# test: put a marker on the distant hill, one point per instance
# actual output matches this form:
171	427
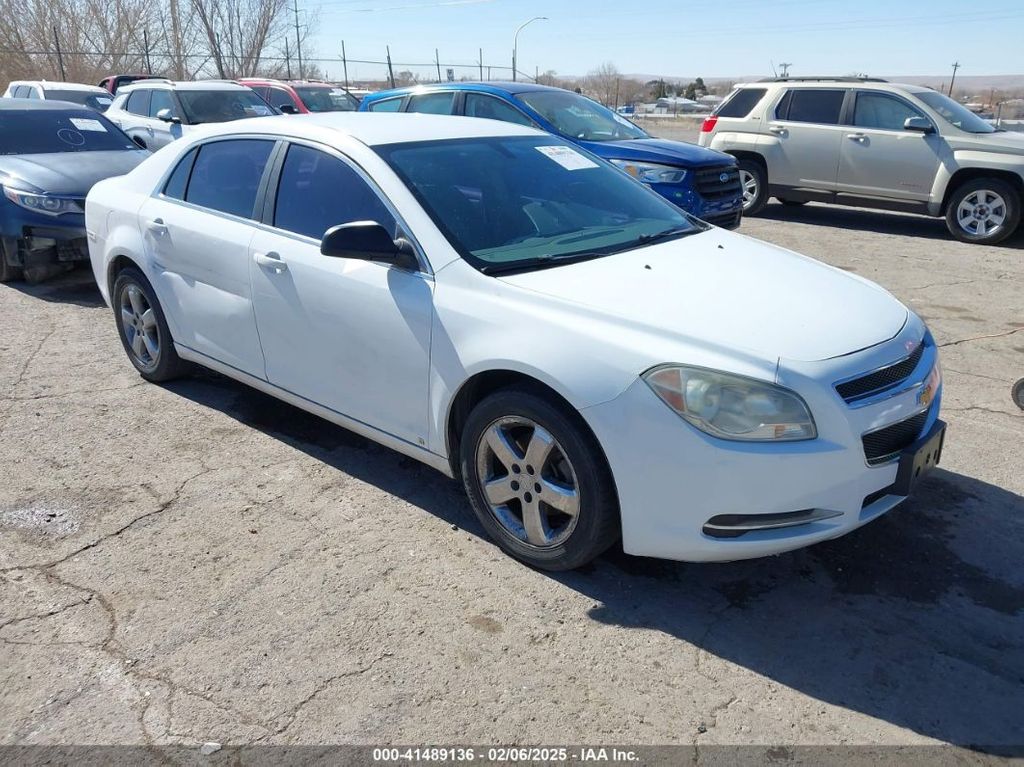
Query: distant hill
971	83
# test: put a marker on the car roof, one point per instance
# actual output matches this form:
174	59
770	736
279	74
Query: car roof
10	104
57	85
836	82
494	88
288	83
372	128
184	85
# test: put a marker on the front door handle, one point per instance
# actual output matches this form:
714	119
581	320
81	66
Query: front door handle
777	129
856	136
270	261
157	226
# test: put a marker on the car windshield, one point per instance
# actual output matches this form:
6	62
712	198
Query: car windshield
45	131
955	114
327	99
219	106
526	202
577	117
91	99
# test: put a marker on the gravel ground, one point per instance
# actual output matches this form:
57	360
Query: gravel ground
197	562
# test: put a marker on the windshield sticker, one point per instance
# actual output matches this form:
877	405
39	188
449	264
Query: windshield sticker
568	158
86	124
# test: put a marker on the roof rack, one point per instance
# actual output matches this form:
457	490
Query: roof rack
826	79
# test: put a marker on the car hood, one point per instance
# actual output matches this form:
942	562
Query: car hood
732	291
1008	142
658	150
66	172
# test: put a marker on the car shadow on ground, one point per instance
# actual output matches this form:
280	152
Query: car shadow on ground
915	619
77	287
880	222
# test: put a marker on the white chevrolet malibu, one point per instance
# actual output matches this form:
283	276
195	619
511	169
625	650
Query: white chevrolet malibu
500	305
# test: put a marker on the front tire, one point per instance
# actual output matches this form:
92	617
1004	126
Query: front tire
983	211
537	480
143	328
754	185
9	272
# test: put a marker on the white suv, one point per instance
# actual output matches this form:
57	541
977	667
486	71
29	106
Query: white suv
91	96
156	112
874	144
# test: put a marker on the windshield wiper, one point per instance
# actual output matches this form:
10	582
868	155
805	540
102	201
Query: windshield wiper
668	234
540	262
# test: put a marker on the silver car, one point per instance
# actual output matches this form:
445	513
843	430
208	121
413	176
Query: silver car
874	144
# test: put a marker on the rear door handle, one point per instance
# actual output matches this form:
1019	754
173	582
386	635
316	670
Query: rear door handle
270	261
856	136
777	129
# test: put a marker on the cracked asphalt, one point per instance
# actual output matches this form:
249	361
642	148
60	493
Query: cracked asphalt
197	562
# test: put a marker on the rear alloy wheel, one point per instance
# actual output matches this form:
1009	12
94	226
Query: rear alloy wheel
754	186
537	481
143	328
983	211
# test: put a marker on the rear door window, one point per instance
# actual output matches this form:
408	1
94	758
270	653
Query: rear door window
226	175
386	105
432	103
741	102
138	102
811	105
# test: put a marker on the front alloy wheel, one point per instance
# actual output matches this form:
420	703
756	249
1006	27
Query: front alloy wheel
983	211
528	481
537	479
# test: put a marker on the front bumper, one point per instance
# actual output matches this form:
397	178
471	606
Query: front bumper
704	196
673	479
33	239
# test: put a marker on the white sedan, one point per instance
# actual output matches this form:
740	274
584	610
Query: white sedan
512	311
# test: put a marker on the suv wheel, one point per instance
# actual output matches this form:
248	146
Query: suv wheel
983	211
537	480
754	183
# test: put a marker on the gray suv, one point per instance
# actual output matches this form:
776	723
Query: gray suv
873	144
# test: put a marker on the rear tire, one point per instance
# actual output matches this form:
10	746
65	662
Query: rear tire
143	328
754	186
983	211
537	480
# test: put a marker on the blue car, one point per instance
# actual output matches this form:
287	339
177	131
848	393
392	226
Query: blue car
51	153
702	182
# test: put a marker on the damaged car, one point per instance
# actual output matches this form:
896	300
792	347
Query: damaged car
51	153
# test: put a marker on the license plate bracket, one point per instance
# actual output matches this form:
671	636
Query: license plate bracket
918	459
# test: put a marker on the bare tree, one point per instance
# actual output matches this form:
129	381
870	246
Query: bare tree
603	83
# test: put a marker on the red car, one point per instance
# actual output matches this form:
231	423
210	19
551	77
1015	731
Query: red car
113	82
301	96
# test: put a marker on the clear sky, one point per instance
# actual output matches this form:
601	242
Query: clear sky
680	37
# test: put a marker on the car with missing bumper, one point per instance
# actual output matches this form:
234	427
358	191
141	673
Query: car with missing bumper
700	181
51	153
511	310
874	144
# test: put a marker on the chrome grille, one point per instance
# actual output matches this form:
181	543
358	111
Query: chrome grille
880	380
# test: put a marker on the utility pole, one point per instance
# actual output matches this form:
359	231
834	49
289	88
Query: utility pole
515	41
344	63
784	66
145	46
60	56
298	40
178	62
287	59
437	60
480	61
956	66
391	73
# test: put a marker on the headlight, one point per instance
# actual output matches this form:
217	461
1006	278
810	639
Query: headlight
732	407
651	173
42	203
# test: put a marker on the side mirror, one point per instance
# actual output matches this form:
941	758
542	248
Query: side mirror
919	124
367	241
167	116
288	109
